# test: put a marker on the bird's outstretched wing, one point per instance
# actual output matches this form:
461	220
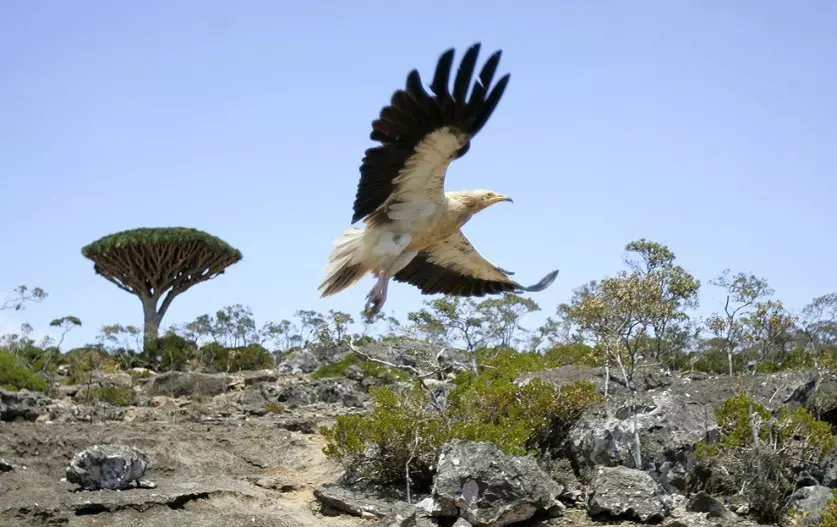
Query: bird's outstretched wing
453	267
420	133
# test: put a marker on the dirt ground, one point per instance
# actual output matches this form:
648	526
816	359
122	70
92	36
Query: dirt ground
221	473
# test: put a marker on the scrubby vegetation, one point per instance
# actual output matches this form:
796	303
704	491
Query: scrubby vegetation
366	368
760	455
408	425
14	376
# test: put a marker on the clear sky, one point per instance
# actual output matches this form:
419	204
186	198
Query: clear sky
707	125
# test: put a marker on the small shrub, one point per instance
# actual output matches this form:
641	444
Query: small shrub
397	432
274	408
575	354
222	359
170	352
763	473
115	395
15	376
342	368
139	375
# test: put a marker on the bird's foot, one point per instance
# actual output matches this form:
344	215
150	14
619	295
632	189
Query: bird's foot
375	301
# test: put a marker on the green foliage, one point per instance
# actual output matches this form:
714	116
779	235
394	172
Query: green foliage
170	352
454	321
829	517
115	395
157	236
640	311
399	430
223	359
734	417
573	354
406	426
368	368
763	472
14	376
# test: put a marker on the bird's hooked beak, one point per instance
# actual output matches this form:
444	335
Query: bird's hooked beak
505	198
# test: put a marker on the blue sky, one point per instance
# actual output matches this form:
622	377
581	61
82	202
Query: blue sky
705	125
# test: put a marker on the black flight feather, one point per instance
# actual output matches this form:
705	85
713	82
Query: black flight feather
413	114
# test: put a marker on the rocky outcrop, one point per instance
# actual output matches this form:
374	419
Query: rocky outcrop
812	502
673	412
107	467
626	493
185	384
296	362
22	405
479	483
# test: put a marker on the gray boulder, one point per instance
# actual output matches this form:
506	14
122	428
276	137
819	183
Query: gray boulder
107	467
349	393
627	493
673	412
22	405
708	505
302	361
185	384
811	502
478	482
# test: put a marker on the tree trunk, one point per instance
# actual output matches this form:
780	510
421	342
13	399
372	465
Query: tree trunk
729	361
152	322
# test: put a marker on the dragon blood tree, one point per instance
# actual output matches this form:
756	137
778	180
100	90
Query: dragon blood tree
153	262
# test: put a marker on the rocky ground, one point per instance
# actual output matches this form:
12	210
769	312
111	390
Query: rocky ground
244	450
224	471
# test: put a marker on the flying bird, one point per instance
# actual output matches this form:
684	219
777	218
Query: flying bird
412	226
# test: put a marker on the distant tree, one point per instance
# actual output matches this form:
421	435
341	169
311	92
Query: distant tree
503	317
276	333
66	324
124	342
768	330
23	295
671	326
626	316
742	291
448	321
236	325
157	264
818	324
335	328
310	324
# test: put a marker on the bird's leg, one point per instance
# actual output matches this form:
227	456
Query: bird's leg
376	297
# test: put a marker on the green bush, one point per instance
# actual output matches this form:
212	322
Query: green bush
367	368
15	376
115	395
398	430
575	354
763	473
170	353
406	428
223	359
829	517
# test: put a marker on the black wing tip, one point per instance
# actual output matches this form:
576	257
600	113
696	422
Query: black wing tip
545	282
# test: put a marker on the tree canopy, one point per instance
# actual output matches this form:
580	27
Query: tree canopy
149	262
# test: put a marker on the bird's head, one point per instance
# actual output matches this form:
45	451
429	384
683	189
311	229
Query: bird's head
477	200
486	198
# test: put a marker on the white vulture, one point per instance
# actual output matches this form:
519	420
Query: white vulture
411	225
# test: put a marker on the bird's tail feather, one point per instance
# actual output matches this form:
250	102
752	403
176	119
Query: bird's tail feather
345	263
